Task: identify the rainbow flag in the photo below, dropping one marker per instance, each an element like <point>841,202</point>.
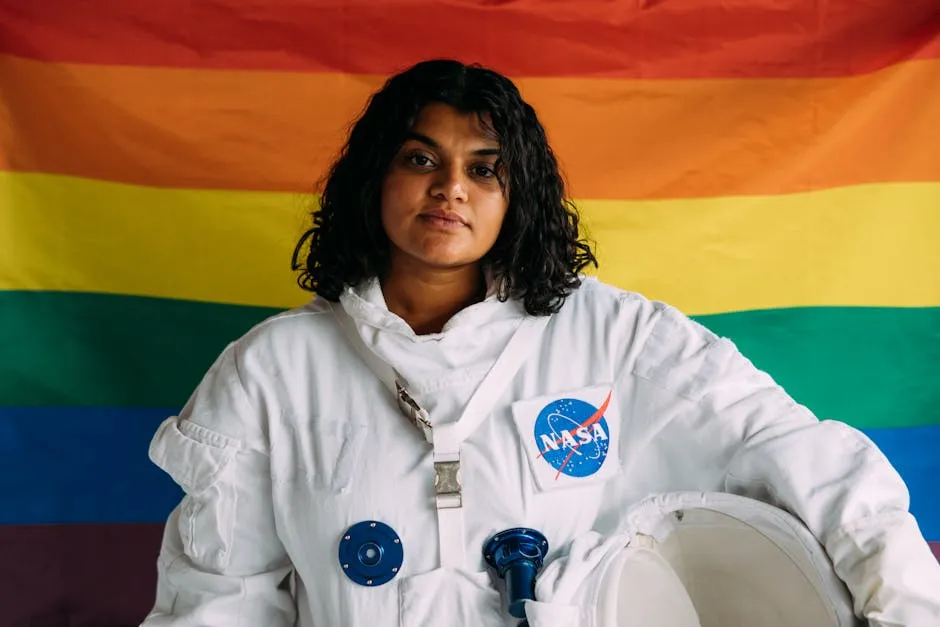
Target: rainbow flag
<point>771,167</point>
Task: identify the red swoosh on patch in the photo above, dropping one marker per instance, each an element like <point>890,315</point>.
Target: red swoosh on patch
<point>596,416</point>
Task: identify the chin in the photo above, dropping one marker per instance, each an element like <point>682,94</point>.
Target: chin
<point>448,261</point>
<point>448,264</point>
<point>433,255</point>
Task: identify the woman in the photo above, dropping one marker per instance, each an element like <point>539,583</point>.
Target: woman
<point>454,338</point>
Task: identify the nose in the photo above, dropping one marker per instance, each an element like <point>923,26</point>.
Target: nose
<point>450,185</point>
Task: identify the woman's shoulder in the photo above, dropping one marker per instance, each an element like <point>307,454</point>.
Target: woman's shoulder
<point>661,343</point>
<point>312,318</point>
<point>285,340</point>
<point>606,301</point>
<point>647,322</point>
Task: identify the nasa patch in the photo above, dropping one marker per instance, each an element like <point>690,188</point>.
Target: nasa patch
<point>570,439</point>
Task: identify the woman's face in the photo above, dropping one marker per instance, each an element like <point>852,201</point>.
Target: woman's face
<point>442,205</point>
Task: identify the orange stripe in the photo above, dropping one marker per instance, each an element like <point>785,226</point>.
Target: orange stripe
<point>615,138</point>
<point>673,39</point>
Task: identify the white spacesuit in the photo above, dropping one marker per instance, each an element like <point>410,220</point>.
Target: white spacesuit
<point>312,497</point>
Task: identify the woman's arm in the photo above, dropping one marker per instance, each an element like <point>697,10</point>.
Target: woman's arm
<point>828,474</point>
<point>221,562</point>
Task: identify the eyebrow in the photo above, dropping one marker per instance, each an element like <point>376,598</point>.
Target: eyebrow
<point>424,139</point>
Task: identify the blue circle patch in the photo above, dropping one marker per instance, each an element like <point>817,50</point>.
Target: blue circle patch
<point>571,437</point>
<point>370,553</point>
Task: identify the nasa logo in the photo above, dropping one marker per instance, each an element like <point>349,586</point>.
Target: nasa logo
<point>573,436</point>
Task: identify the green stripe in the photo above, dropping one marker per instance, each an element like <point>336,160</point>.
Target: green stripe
<point>871,367</point>
<point>867,366</point>
<point>69,348</point>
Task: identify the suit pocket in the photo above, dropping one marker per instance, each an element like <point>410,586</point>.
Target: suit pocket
<point>201,462</point>
<point>449,597</point>
<point>321,454</point>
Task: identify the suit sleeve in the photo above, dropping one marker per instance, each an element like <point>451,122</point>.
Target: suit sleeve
<point>828,474</point>
<point>221,562</point>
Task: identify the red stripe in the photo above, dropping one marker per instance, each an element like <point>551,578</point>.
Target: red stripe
<point>935,546</point>
<point>77,575</point>
<point>672,39</point>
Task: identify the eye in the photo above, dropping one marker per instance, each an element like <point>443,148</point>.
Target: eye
<point>483,171</point>
<point>420,160</point>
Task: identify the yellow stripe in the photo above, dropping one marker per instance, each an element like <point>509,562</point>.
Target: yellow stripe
<point>867,245</point>
<point>81,235</point>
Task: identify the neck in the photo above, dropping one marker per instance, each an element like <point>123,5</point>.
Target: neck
<point>427,298</point>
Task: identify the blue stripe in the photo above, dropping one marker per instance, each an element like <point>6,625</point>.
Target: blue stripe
<point>915,453</point>
<point>90,465</point>
<point>81,465</point>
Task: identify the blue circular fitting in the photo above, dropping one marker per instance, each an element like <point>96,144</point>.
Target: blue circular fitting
<point>517,556</point>
<point>370,553</point>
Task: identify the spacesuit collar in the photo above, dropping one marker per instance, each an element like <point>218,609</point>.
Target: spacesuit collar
<point>366,303</point>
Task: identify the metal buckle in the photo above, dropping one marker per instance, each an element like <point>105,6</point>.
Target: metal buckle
<point>447,487</point>
<point>417,414</point>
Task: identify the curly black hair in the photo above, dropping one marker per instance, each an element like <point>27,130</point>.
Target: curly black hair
<point>538,255</point>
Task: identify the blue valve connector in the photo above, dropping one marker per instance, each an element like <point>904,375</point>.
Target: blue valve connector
<point>517,556</point>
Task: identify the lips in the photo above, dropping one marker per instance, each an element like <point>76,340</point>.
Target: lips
<point>443,217</point>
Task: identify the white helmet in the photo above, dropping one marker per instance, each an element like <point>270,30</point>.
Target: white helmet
<point>695,559</point>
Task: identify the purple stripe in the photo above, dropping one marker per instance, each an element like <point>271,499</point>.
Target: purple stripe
<point>84,575</point>
<point>101,575</point>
